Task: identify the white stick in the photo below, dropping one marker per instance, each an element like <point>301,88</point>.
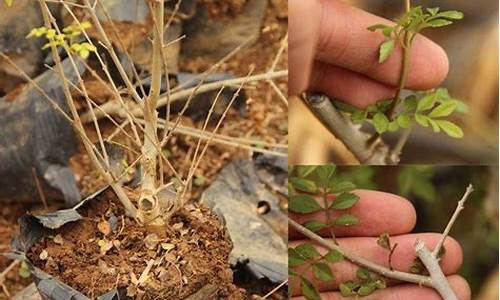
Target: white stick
<point>430,262</point>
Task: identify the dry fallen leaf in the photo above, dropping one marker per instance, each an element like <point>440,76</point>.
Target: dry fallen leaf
<point>151,241</point>
<point>58,239</point>
<point>104,227</point>
<point>44,254</point>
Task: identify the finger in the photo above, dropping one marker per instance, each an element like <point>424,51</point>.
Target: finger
<point>402,258</point>
<point>348,86</point>
<point>377,212</point>
<point>356,48</point>
<point>408,292</point>
<point>303,31</point>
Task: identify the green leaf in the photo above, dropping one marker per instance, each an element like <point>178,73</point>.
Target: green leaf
<point>393,126</point>
<point>345,200</point>
<point>309,290</point>
<point>384,105</point>
<point>294,258</point>
<point>358,116</point>
<point>385,50</point>
<point>372,108</point>
<point>410,103</point>
<point>325,174</point>
<point>376,27</point>
<point>303,184</point>
<point>363,274</point>
<point>439,23</point>
<point>427,102</point>
<point>342,186</point>
<point>422,120</point>
<point>366,289</point>
<point>404,121</point>
<point>307,251</point>
<point>315,225</point>
<point>346,220</point>
<point>434,125</point>
<point>304,171</point>
<point>462,107</point>
<point>380,122</point>
<point>450,128</point>
<point>387,32</point>
<point>384,241</point>
<point>304,204</point>
<point>433,11</point>
<point>334,256</point>
<point>451,14</point>
<point>443,110</point>
<point>322,272</point>
<point>347,289</point>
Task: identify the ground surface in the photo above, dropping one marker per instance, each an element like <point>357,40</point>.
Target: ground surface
<point>266,121</point>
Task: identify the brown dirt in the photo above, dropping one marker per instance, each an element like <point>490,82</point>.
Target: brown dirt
<point>199,255</point>
<point>224,8</point>
<point>13,283</point>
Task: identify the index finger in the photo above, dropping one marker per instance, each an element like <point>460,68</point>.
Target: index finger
<point>377,213</point>
<point>345,41</point>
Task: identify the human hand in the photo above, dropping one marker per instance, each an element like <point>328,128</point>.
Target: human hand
<point>332,52</point>
<point>379,213</point>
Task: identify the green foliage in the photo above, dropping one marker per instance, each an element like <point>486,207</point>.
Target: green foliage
<point>311,190</point>
<point>322,180</point>
<point>365,284</point>
<point>361,176</point>
<point>427,109</point>
<point>66,38</point>
<point>304,204</point>
<point>8,2</point>
<point>417,180</point>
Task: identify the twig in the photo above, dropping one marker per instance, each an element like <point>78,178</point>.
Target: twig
<point>362,262</point>
<point>113,108</point>
<point>4,274</point>
<point>460,207</point>
<point>89,147</point>
<point>430,262</point>
<point>275,289</point>
<point>395,154</point>
<point>39,189</point>
<point>405,66</point>
<point>356,141</point>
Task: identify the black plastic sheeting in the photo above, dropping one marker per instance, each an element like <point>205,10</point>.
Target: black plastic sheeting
<point>259,240</point>
<point>35,136</point>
